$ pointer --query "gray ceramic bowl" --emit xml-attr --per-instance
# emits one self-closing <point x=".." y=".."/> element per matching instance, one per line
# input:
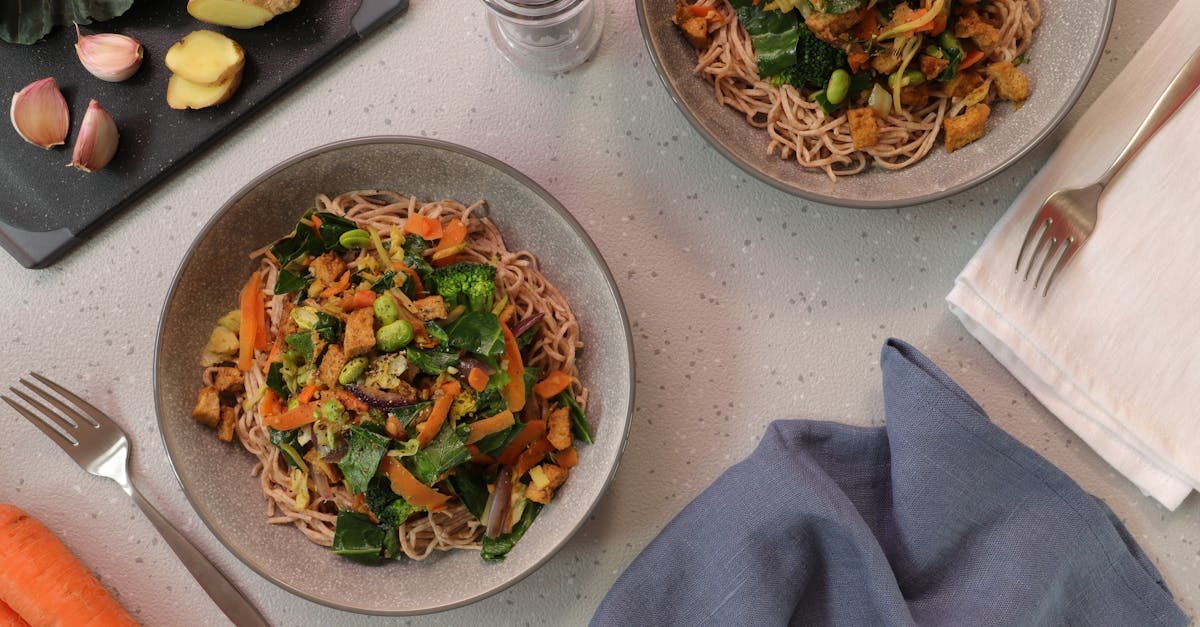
<point x="1067" y="48"/>
<point x="216" y="477"/>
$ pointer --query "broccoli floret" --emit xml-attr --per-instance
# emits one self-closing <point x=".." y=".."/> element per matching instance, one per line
<point x="815" y="61"/>
<point x="390" y="509"/>
<point x="469" y="284"/>
<point x="464" y="405"/>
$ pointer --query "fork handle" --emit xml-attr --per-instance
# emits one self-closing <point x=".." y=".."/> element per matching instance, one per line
<point x="227" y="597"/>
<point x="1177" y="93"/>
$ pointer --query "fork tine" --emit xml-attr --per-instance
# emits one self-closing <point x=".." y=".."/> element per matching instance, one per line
<point x="54" y="434"/>
<point x="1051" y="255"/>
<point x="1069" y="250"/>
<point x="98" y="418"/>
<point x="1033" y="230"/>
<point x="79" y="418"/>
<point x="1033" y="256"/>
<point x="67" y="426"/>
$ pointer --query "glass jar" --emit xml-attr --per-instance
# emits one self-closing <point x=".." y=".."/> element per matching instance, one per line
<point x="545" y="35"/>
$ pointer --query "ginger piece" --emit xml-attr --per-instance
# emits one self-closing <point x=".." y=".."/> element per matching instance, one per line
<point x="184" y="94"/>
<point x="239" y="13"/>
<point x="205" y="57"/>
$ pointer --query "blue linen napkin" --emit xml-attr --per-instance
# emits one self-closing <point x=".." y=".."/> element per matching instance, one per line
<point x="938" y="518"/>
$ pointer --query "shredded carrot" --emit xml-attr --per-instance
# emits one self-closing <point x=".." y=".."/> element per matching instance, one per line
<point x="971" y="58"/>
<point x="857" y="60"/>
<point x="307" y="393"/>
<point x="567" y="458"/>
<point x="338" y="287"/>
<point x="480" y="458"/>
<point x="939" y="25"/>
<point x="514" y="392"/>
<point x="482" y="428"/>
<point x="453" y="242"/>
<point x="532" y="456"/>
<point x="349" y="401"/>
<point x="298" y="416"/>
<point x="427" y="228"/>
<point x="534" y="430"/>
<point x="248" y="331"/>
<point x="867" y="26"/>
<point x="437" y="416"/>
<point x="44" y="583"/>
<point x="270" y="405"/>
<point x="10" y="618"/>
<point x="360" y="300"/>
<point x="316" y="225"/>
<point x="555" y="382"/>
<point x="477" y="379"/>
<point x="407" y="486"/>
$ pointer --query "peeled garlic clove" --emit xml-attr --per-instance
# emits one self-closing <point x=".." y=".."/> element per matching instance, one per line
<point x="108" y="56"/>
<point x="40" y="115"/>
<point x="97" y="142"/>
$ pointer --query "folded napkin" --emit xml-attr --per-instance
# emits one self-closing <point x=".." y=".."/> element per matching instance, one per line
<point x="1112" y="351"/>
<point x="938" y="518"/>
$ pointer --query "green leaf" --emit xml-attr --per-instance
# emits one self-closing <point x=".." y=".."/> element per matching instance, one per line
<point x="955" y="56"/>
<point x="579" y="425"/>
<point x="446" y="451"/>
<point x="837" y="7"/>
<point x="431" y="361"/>
<point x="436" y="332"/>
<point x="471" y="489"/>
<point x="774" y="35"/>
<point x="477" y="332"/>
<point x="526" y="338"/>
<point x="276" y="382"/>
<point x="289" y="282"/>
<point x="356" y="538"/>
<point x="408" y="413"/>
<point x="302" y="343"/>
<point x="500" y="440"/>
<point x="328" y="327"/>
<point x="27" y="22"/>
<point x="286" y="442"/>
<point x="496" y="548"/>
<point x="366" y="449"/>
<point x="384" y="283"/>
<point x="332" y="227"/>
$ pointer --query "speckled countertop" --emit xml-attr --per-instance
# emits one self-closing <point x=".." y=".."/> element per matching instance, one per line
<point x="747" y="305"/>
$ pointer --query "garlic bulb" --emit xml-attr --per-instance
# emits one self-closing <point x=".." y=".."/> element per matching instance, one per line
<point x="40" y="115"/>
<point x="97" y="141"/>
<point x="108" y="56"/>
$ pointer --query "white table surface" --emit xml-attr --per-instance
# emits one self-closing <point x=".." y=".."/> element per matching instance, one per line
<point x="715" y="267"/>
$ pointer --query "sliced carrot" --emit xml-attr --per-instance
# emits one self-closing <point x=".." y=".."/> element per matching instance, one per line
<point x="306" y="395"/>
<point x="939" y="24"/>
<point x="270" y="405"/>
<point x="698" y="11"/>
<point x="514" y="392"/>
<point x="407" y="486"/>
<point x="480" y="429"/>
<point x="10" y="618"/>
<point x="437" y="415"/>
<point x="361" y="300"/>
<point x="567" y="458"/>
<point x="412" y="274"/>
<point x="480" y="458"/>
<point x="453" y="242"/>
<point x="43" y="582"/>
<point x="338" y="287"/>
<point x="427" y="228"/>
<point x="553" y="384"/>
<point x="534" y="430"/>
<point x="971" y="58"/>
<point x="248" y="331"/>
<point x="857" y="60"/>
<point x="349" y="401"/>
<point x="532" y="456"/>
<point x="293" y="418"/>
<point x="867" y="26"/>
<point x="477" y="379"/>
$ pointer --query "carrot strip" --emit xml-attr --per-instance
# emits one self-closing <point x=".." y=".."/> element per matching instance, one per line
<point x="338" y="287"/>
<point x="427" y="228"/>
<point x="553" y="384"/>
<point x="453" y="242"/>
<point x="298" y="416"/>
<point x="307" y="394"/>
<point x="534" y="430"/>
<point x="361" y="300"/>
<point x="857" y="60"/>
<point x="44" y="583"/>
<point x="260" y="320"/>
<point x="480" y="429"/>
<point x="407" y="486"/>
<point x="316" y="225"/>
<point x="10" y="618"/>
<point x="514" y="392"/>
<point x="412" y="274"/>
<point x="567" y="458"/>
<point x="437" y="415"/>
<point x="480" y="458"/>
<point x="939" y="25"/>
<point x="271" y="404"/>
<point x="477" y="379"/>
<point x="972" y="57"/>
<point x="248" y="331"/>
<point x="532" y="456"/>
<point x="349" y="401"/>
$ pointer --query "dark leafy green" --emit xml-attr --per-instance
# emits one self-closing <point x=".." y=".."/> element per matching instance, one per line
<point x="391" y="509"/>
<point x="409" y="413"/>
<point x="774" y="34"/>
<point x="955" y="57"/>
<point x="498" y="441"/>
<point x="328" y="327"/>
<point x="526" y="338"/>
<point x="447" y="450"/>
<point x="837" y="7"/>
<point x="477" y="332"/>
<point x="579" y="425"/>
<point x="436" y="332"/>
<point x="384" y="283"/>
<point x="302" y="343"/>
<point x="496" y="548"/>
<point x="357" y="538"/>
<point x="532" y="374"/>
<point x="286" y="442"/>
<point x="332" y="227"/>
<point x="301" y="242"/>
<point x="491" y="401"/>
<point x="28" y="22"/>
<point x="276" y="382"/>
<point x="366" y="449"/>
<point x="289" y="282"/>
<point x="431" y="361"/>
<point x="471" y="489"/>
<point x="413" y="247"/>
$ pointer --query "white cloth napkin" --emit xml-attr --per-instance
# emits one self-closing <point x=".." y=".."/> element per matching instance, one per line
<point x="1114" y="350"/>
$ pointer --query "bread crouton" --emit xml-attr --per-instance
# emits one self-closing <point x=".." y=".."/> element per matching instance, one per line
<point x="915" y="95"/>
<point x="431" y="308"/>
<point x="829" y="26"/>
<point x="1011" y="83"/>
<point x="694" y="27"/>
<point x="931" y="67"/>
<point x="962" y="84"/>
<point x="864" y="129"/>
<point x="559" y="429"/>
<point x="885" y="62"/>
<point x="966" y="128"/>
<point x="360" y="333"/>
<point x="228" y="420"/>
<point x="328" y="268"/>
<point x="554" y="476"/>
<point x="228" y="380"/>
<point x="208" y="407"/>
<point x="973" y="27"/>
<point x="331" y="366"/>
<point x="287" y="325"/>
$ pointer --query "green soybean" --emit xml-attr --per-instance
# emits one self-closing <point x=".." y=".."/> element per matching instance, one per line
<point x="838" y="87"/>
<point x="395" y="336"/>
<point x="352" y="370"/>
<point x="911" y="77"/>
<point x="949" y="41"/>
<point x="386" y="310"/>
<point x="356" y="238"/>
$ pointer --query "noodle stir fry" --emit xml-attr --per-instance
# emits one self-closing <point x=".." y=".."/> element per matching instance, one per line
<point x="406" y="382"/>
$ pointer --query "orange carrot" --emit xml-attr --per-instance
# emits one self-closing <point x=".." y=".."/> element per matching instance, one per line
<point x="453" y="242"/>
<point x="532" y="456"/>
<point x="316" y="225"/>
<point x="349" y="401"/>
<point x="407" y="486"/>
<point x="939" y="25"/>
<point x="361" y="300"/>
<point x="480" y="458"/>
<point x="867" y="26"/>
<point x="971" y="58"/>
<point x="270" y="405"/>
<point x="437" y="415"/>
<point x="338" y="287"/>
<point x="514" y="392"/>
<point x="567" y="458"/>
<point x="307" y="393"/>
<point x="43" y="582"/>
<point x="554" y="383"/>
<point x="857" y="60"/>
<point x="248" y="331"/>
<point x="534" y="430"/>
<point x="916" y="15"/>
<point x="477" y="379"/>
<point x="298" y="416"/>
<point x="480" y="429"/>
<point x="412" y="274"/>
<point x="427" y="228"/>
<point x="260" y="322"/>
<point x="10" y="618"/>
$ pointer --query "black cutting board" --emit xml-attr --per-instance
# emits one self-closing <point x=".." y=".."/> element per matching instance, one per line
<point x="46" y="208"/>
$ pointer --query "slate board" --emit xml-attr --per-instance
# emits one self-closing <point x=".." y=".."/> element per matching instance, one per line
<point x="46" y="208"/>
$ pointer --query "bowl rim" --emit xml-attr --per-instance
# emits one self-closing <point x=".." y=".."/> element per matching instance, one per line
<point x="522" y="179"/>
<point x="796" y="190"/>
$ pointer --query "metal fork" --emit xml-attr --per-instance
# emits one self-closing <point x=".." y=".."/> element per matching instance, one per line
<point x="1068" y="216"/>
<point x="100" y="447"/>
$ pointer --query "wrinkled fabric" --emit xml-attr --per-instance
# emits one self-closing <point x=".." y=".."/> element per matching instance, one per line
<point x="938" y="518"/>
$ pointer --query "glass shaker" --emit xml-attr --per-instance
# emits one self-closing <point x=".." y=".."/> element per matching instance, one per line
<point x="545" y="35"/>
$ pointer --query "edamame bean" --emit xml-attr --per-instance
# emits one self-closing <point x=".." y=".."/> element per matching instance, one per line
<point x="352" y="370"/>
<point x="395" y="336"/>
<point x="911" y="78"/>
<point x="838" y="87"/>
<point x="949" y="41"/>
<point x="356" y="238"/>
<point x="386" y="310"/>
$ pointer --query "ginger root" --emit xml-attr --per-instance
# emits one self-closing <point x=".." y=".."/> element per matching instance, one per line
<point x="239" y="13"/>
<point x="184" y="94"/>
<point x="205" y="57"/>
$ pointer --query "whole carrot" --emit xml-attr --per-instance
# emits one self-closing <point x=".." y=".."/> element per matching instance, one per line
<point x="43" y="582"/>
<point x="9" y="618"/>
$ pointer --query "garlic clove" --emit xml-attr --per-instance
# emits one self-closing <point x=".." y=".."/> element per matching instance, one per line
<point x="40" y="115"/>
<point x="97" y="141"/>
<point x="108" y="56"/>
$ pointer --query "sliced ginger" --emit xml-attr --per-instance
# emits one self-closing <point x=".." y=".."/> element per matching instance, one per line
<point x="239" y="13"/>
<point x="184" y="94"/>
<point x="205" y="57"/>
